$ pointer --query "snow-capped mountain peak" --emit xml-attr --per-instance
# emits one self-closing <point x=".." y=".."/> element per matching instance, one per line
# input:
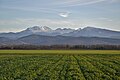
<point x="89" y="28"/>
<point x="39" y="29"/>
<point x="64" y="30"/>
<point x="45" y="28"/>
<point x="78" y="29"/>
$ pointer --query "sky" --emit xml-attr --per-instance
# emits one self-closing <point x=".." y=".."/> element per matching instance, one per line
<point x="17" y="15"/>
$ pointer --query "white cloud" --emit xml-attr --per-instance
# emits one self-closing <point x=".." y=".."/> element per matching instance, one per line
<point x="33" y="9"/>
<point x="105" y="19"/>
<point x="70" y="3"/>
<point x="20" y="24"/>
<point x="24" y="23"/>
<point x="59" y="12"/>
<point x="64" y="14"/>
<point x="112" y="1"/>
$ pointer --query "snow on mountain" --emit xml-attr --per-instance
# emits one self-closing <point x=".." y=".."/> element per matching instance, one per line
<point x="46" y="31"/>
<point x="94" y="32"/>
<point x="35" y="29"/>
<point x="64" y="30"/>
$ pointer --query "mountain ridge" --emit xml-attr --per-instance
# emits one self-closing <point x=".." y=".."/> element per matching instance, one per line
<point x="46" y="31"/>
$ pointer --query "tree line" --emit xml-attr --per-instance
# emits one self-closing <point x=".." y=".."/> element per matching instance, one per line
<point x="60" y="47"/>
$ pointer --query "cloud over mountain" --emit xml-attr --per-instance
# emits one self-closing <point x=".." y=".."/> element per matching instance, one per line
<point x="64" y="14"/>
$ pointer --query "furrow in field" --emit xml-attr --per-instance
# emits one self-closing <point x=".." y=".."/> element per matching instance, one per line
<point x="73" y="70"/>
<point x="46" y="71"/>
<point x="25" y="67"/>
<point x="107" y="62"/>
<point x="56" y="70"/>
<point x="107" y="70"/>
<point x="108" y="57"/>
<point x="90" y="71"/>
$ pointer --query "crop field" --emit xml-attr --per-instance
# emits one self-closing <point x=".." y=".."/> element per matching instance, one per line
<point x="59" y="65"/>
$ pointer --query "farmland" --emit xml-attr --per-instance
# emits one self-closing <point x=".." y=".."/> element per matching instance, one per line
<point x="59" y="65"/>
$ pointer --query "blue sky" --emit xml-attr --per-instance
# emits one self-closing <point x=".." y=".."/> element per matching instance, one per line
<point x="16" y="15"/>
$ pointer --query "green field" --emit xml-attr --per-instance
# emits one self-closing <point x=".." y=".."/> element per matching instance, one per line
<point x="60" y="65"/>
<point x="38" y="52"/>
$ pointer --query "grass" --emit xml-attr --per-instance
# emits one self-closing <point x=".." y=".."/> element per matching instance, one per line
<point x="37" y="52"/>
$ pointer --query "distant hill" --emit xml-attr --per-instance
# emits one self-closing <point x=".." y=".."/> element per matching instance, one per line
<point x="7" y="41"/>
<point x="59" y="40"/>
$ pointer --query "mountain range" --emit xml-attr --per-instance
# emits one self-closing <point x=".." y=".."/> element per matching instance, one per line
<point x="46" y="36"/>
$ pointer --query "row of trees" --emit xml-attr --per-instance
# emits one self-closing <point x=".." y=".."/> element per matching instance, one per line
<point x="64" y="47"/>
